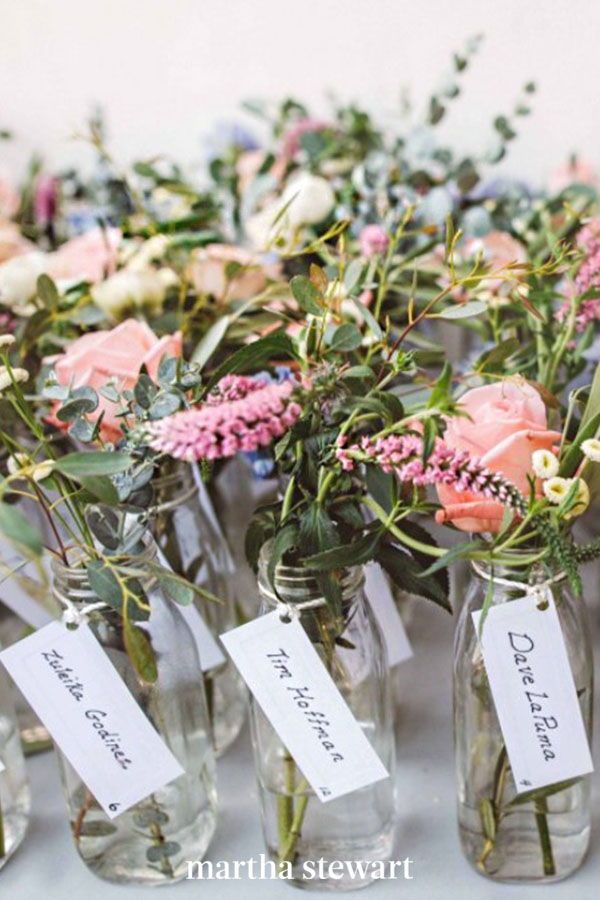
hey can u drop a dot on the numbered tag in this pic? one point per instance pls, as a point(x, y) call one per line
point(381, 599)
point(534, 693)
point(75, 690)
point(209, 652)
point(298, 696)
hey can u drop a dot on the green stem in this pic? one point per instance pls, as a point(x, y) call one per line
point(541, 820)
point(285, 804)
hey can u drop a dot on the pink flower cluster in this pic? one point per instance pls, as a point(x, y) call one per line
point(403, 455)
point(587, 278)
point(373, 240)
point(241, 415)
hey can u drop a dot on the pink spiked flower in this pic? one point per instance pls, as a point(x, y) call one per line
point(240, 415)
point(403, 455)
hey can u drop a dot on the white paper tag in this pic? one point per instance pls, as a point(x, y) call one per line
point(298, 696)
point(209, 651)
point(80, 697)
point(379, 595)
point(535, 696)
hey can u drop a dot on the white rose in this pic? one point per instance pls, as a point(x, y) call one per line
point(152, 250)
point(129, 289)
point(18, 280)
point(311, 199)
point(307, 200)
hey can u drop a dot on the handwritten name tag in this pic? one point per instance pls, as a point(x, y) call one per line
point(80, 697)
point(381, 599)
point(298, 696)
point(535, 696)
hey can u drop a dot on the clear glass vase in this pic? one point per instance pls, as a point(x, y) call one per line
point(360, 826)
point(546, 838)
point(151, 842)
point(14, 789)
point(189, 545)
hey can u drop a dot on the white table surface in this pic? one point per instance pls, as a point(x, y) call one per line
point(46, 866)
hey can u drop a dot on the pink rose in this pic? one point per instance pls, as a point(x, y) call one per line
point(574, 171)
point(90, 257)
point(208, 272)
point(119, 354)
point(507, 423)
point(12, 242)
point(498, 249)
point(10, 200)
point(290, 144)
point(373, 240)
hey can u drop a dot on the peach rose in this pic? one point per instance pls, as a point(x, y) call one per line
point(208, 272)
point(12, 242)
point(119, 354)
point(507, 422)
point(90, 257)
point(10, 200)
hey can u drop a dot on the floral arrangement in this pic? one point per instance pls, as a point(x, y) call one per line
point(296, 312)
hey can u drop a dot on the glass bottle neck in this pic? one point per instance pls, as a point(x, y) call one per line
point(299, 587)
point(173, 486)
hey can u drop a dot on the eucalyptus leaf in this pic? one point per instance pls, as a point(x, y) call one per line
point(140, 652)
point(82, 464)
point(17, 528)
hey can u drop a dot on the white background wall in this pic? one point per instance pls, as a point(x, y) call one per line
point(165, 70)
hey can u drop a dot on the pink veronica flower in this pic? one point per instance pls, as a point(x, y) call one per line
point(241, 415)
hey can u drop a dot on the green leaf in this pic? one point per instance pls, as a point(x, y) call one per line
point(360, 373)
point(211, 341)
point(382, 486)
point(542, 793)
point(573, 456)
point(283, 541)
point(459, 551)
point(140, 652)
point(488, 818)
point(101, 487)
point(308, 297)
point(104, 583)
point(405, 572)
point(368, 318)
point(273, 347)
point(345, 338)
point(317, 531)
point(47, 292)
point(97, 462)
point(592, 407)
point(80, 402)
point(18, 529)
point(354, 554)
point(463, 310)
point(352, 274)
point(178, 589)
point(491, 359)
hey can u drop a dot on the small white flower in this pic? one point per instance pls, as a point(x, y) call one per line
point(17, 374)
point(7, 340)
point(545, 464)
point(582, 500)
point(19, 464)
point(556, 489)
point(591, 449)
